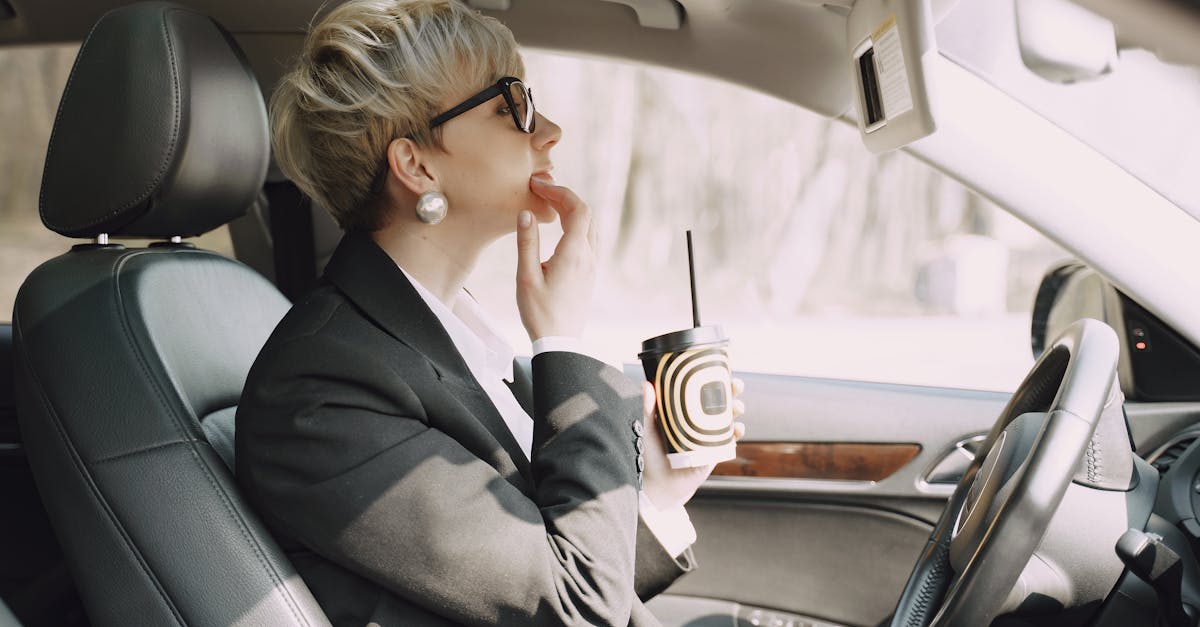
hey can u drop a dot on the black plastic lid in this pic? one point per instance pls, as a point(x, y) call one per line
point(680, 340)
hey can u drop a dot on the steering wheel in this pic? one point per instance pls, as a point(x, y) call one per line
point(1005, 501)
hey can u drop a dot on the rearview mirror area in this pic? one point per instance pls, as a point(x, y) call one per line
point(1063, 42)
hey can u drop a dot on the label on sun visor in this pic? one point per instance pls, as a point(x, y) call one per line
point(889, 64)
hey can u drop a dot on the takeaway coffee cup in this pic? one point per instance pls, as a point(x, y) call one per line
point(691, 377)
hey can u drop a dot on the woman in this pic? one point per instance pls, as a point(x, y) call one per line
point(381, 433)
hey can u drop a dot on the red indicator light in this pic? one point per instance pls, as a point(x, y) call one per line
point(1140, 346)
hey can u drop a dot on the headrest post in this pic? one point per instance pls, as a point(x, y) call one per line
point(176, 239)
point(102, 239)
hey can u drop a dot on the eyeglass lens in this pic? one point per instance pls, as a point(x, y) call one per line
point(523, 110)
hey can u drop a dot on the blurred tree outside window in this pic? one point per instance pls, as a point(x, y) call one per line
point(818, 258)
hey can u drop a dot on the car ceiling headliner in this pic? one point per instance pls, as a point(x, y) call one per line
point(791, 49)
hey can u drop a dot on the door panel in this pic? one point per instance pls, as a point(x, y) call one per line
point(847, 461)
point(827, 411)
point(844, 563)
point(837, 550)
point(803, 548)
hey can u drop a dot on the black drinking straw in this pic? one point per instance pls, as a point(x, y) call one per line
point(692, 277)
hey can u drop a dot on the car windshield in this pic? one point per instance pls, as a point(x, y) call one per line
point(818, 258)
point(1141, 115)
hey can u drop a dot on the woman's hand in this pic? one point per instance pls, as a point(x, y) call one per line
point(668, 487)
point(554, 296)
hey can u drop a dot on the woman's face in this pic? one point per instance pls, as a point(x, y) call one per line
point(485, 168)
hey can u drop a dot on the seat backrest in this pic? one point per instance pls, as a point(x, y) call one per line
point(127, 357)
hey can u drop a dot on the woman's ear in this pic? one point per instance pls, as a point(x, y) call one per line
point(410, 164)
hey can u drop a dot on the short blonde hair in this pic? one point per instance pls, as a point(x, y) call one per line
point(371, 71)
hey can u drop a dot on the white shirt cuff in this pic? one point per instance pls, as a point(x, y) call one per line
point(671, 527)
point(557, 343)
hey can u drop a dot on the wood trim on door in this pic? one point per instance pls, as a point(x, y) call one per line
point(849, 461)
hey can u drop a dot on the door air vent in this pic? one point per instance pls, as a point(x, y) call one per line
point(1166, 456)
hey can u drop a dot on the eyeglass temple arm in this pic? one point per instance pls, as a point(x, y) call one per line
point(467, 105)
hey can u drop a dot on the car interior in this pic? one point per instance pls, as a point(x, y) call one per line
point(1071, 501)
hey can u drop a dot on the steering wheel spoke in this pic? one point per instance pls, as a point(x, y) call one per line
point(980, 560)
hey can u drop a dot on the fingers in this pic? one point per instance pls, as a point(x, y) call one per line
point(553, 297)
point(529, 266)
point(738, 386)
point(653, 445)
point(648, 401)
point(739, 408)
point(593, 237)
point(574, 213)
point(560, 196)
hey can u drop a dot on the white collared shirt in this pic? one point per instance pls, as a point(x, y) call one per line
point(490, 360)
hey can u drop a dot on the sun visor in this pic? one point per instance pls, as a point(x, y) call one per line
point(889, 42)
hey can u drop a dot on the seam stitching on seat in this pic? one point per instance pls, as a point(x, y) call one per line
point(246, 535)
point(82, 468)
point(161, 397)
point(271, 571)
point(154, 447)
point(135, 344)
point(1093, 461)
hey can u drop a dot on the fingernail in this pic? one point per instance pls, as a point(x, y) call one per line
point(542, 179)
point(525, 218)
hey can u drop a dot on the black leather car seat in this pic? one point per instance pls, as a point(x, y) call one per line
point(129, 359)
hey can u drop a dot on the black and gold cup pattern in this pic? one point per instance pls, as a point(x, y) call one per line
point(695, 406)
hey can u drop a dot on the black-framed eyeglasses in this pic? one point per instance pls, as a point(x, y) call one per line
point(516, 94)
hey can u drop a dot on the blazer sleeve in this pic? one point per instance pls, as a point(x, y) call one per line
point(338, 453)
point(655, 569)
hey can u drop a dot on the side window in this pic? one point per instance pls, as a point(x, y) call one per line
point(818, 258)
point(31, 83)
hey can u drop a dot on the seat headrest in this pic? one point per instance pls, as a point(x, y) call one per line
point(161, 130)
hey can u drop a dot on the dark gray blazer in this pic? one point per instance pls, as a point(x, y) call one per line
point(398, 491)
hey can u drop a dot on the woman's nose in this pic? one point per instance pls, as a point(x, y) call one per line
point(546, 133)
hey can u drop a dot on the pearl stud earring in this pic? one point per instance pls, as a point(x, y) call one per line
point(432, 207)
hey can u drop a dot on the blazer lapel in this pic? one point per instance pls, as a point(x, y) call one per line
point(369, 277)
